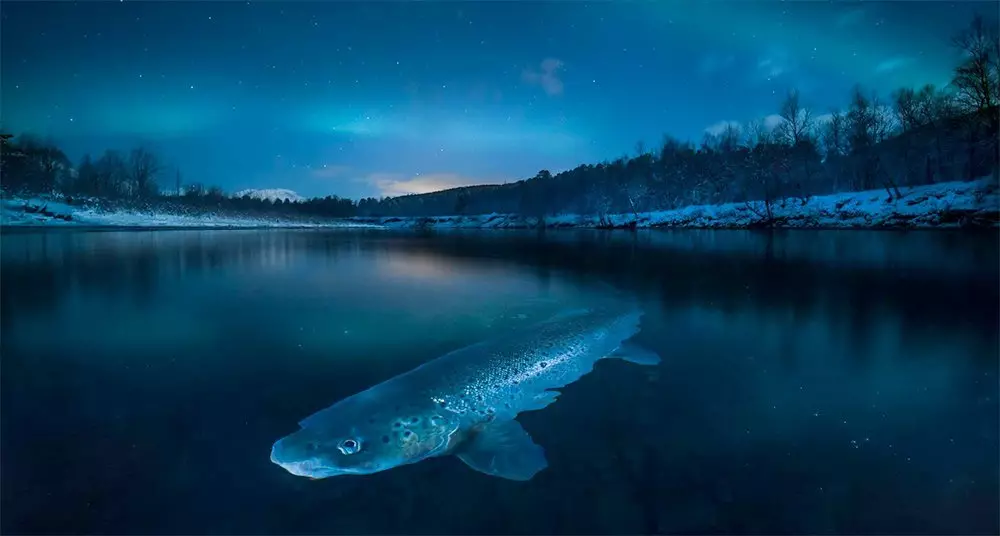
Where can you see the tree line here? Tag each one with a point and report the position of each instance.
(917, 136)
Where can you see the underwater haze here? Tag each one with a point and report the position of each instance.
(811, 382)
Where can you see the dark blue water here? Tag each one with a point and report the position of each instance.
(813, 382)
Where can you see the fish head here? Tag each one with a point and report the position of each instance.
(361, 440)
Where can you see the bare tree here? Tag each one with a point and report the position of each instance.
(870, 124)
(834, 137)
(976, 80)
(765, 171)
(884, 124)
(729, 140)
(907, 109)
(637, 195)
(862, 122)
(867, 125)
(834, 134)
(906, 105)
(796, 120)
(977, 83)
(143, 168)
(640, 148)
(52, 166)
(112, 175)
(757, 133)
(932, 105)
(931, 108)
(195, 189)
(796, 132)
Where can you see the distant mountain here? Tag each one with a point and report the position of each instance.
(270, 194)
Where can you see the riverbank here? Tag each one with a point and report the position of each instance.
(55, 212)
(951, 205)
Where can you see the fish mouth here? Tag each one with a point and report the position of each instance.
(311, 468)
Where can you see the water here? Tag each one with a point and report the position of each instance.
(813, 382)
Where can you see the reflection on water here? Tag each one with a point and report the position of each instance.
(813, 381)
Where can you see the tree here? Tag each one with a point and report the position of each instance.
(834, 135)
(869, 123)
(34, 165)
(112, 175)
(796, 120)
(196, 189)
(976, 79)
(87, 178)
(977, 83)
(907, 108)
(729, 140)
(640, 149)
(869, 144)
(143, 168)
(932, 105)
(757, 133)
(765, 165)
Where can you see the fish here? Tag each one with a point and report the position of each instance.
(464, 403)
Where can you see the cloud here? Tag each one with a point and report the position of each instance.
(894, 63)
(438, 128)
(772, 121)
(396, 184)
(823, 119)
(773, 67)
(720, 127)
(547, 76)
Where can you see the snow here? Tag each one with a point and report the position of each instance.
(270, 194)
(943, 205)
(50, 212)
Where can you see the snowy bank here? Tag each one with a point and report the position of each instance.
(51, 211)
(944, 205)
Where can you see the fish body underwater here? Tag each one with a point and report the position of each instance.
(463, 403)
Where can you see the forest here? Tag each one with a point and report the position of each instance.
(915, 136)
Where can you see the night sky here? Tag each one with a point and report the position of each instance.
(384, 98)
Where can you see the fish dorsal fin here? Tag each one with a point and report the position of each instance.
(505, 450)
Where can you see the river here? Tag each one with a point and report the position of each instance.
(812, 381)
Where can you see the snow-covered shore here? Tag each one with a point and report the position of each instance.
(35, 212)
(944, 205)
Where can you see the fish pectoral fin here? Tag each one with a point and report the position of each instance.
(633, 353)
(505, 450)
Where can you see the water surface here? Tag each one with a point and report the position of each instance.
(813, 382)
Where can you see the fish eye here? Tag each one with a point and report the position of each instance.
(349, 446)
(311, 446)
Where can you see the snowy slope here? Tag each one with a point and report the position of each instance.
(49, 212)
(270, 194)
(944, 205)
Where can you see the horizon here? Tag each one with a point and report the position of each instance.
(447, 102)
